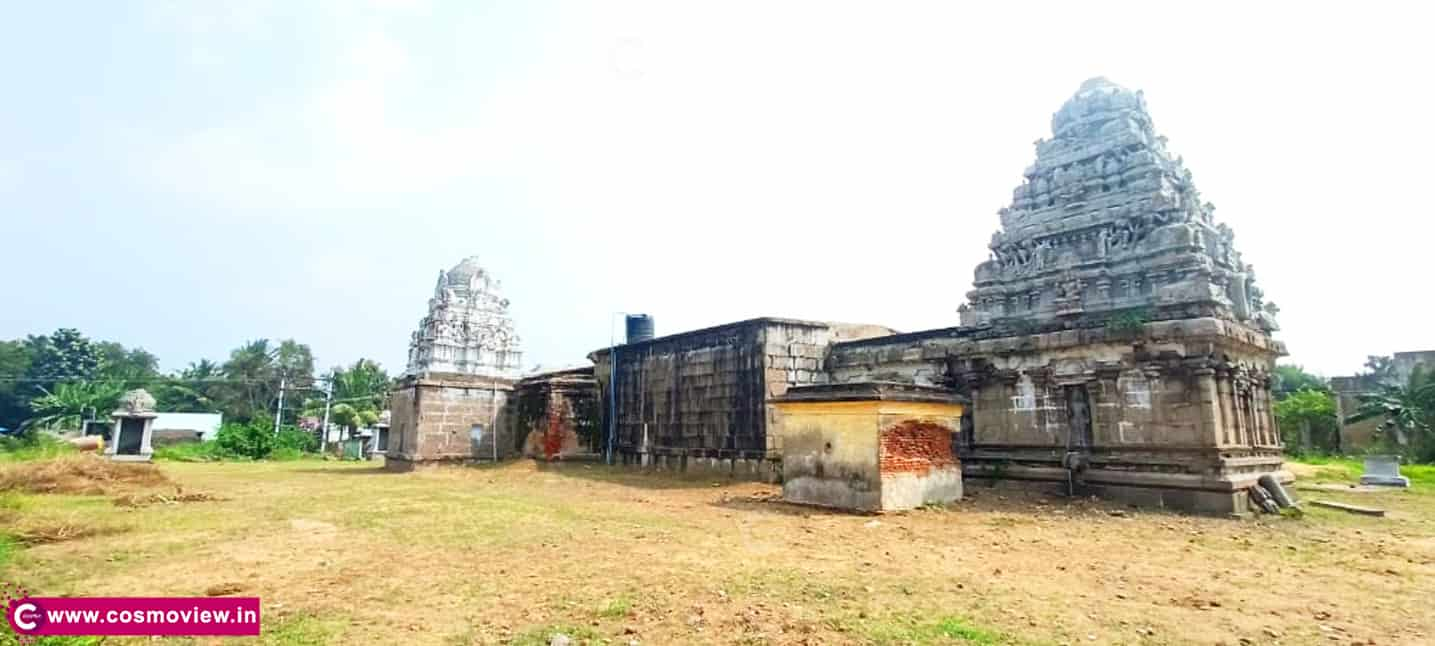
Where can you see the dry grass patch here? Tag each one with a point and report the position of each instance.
(79, 474)
(179, 496)
(347, 553)
(60, 532)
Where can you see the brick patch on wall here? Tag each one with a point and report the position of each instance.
(915, 447)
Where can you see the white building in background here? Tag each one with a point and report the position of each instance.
(187, 426)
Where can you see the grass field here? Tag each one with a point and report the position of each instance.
(346, 553)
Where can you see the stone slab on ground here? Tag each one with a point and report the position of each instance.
(1354, 509)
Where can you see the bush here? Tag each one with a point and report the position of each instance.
(286, 454)
(35, 445)
(296, 439)
(253, 440)
(209, 451)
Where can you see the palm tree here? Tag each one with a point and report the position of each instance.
(250, 373)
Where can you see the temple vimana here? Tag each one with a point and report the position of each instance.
(1114, 343)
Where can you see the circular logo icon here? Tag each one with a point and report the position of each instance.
(24, 616)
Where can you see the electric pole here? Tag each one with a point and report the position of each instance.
(279, 410)
(324, 425)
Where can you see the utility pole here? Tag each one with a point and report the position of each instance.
(1339, 425)
(324, 425)
(279, 410)
(493, 415)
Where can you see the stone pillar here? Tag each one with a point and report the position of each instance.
(134, 419)
(1209, 397)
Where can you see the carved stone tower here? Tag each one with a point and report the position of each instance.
(451, 403)
(467, 329)
(1107, 223)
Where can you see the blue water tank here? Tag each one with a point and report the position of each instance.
(639, 327)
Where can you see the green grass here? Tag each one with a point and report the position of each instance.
(542, 635)
(8, 547)
(211, 452)
(298, 630)
(911, 630)
(192, 452)
(34, 446)
(1349, 469)
(615, 608)
(7, 638)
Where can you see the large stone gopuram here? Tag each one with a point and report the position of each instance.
(464, 359)
(1107, 222)
(1115, 343)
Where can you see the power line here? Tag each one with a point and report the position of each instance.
(155, 380)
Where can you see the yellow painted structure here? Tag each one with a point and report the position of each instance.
(870, 447)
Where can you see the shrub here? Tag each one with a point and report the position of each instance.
(253, 440)
(32, 446)
(209, 451)
(285, 454)
(296, 439)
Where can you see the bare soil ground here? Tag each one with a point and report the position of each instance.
(349, 554)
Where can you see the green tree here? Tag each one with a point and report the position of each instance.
(1291, 379)
(360, 392)
(132, 365)
(254, 373)
(69, 403)
(15, 393)
(65, 355)
(352, 418)
(1307, 420)
(364, 384)
(192, 390)
(1408, 412)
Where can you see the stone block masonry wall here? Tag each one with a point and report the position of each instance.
(1176, 414)
(556, 415)
(449, 418)
(701, 399)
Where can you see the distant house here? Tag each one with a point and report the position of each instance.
(186, 427)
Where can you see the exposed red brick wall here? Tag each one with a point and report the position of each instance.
(915, 447)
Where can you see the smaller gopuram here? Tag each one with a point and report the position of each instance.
(464, 359)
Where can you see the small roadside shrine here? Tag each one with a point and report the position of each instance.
(134, 421)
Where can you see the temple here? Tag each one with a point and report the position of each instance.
(1115, 343)
(464, 360)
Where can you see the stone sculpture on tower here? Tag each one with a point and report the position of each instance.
(467, 329)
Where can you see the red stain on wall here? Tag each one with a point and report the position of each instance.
(915, 446)
(559, 425)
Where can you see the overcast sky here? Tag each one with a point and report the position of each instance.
(185, 176)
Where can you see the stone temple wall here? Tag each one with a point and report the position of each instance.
(1176, 414)
(557, 415)
(435, 418)
(702, 399)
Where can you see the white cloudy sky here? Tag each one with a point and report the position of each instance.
(184, 176)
